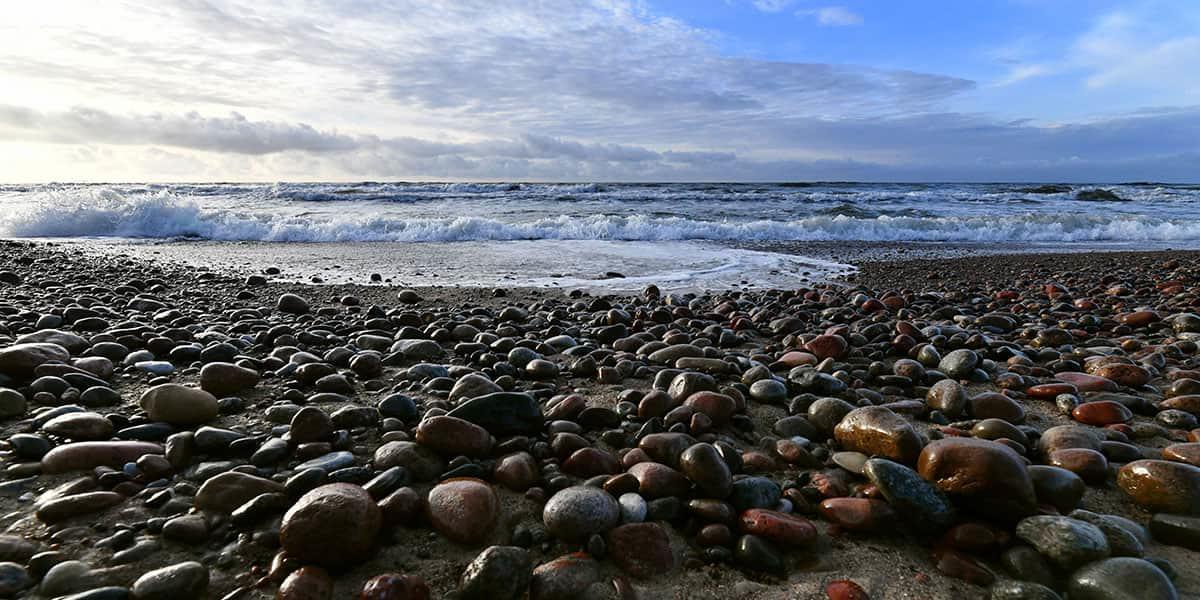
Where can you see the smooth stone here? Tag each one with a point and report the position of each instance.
(919, 502)
(13, 579)
(707, 469)
(179, 405)
(306, 583)
(1176, 530)
(756, 553)
(1121, 578)
(517, 471)
(633, 507)
(292, 304)
(19, 360)
(948, 396)
(65, 578)
(755, 492)
(334, 525)
(329, 462)
(452, 436)
(502, 413)
(226, 379)
(826, 413)
(641, 549)
(781, 528)
(858, 514)
(421, 462)
(564, 578)
(576, 512)
(1057, 487)
(395, 586)
(1022, 590)
(988, 477)
(464, 510)
(182, 581)
(225, 492)
(877, 431)
(959, 364)
(87, 455)
(1124, 537)
(853, 462)
(12, 403)
(1162, 486)
(80, 426)
(497, 573)
(65, 507)
(1067, 542)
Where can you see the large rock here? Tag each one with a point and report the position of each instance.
(576, 512)
(502, 413)
(1162, 486)
(498, 573)
(464, 510)
(987, 477)
(183, 581)
(919, 502)
(21, 359)
(1121, 578)
(877, 431)
(226, 379)
(179, 405)
(1067, 542)
(333, 526)
(89, 455)
(225, 492)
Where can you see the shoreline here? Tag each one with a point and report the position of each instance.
(886, 562)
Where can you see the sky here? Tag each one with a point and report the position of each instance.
(600, 90)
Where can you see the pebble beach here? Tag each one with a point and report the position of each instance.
(1006, 427)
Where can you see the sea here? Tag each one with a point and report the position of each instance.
(592, 235)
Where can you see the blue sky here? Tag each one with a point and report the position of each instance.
(979, 90)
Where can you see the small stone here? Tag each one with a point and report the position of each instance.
(641, 549)
(1067, 542)
(464, 510)
(574, 513)
(877, 431)
(1022, 590)
(564, 578)
(226, 379)
(633, 508)
(989, 477)
(1176, 530)
(498, 573)
(1162, 486)
(179, 405)
(13, 579)
(227, 491)
(424, 464)
(705, 466)
(182, 581)
(1120, 579)
(923, 506)
(858, 514)
(306, 583)
(80, 426)
(292, 304)
(778, 527)
(333, 525)
(948, 396)
(452, 436)
(394, 586)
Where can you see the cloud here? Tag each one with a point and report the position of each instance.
(772, 6)
(833, 16)
(938, 146)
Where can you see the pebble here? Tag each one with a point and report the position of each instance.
(395, 586)
(497, 573)
(877, 431)
(1066, 542)
(179, 405)
(564, 578)
(1176, 530)
(13, 579)
(642, 550)
(226, 379)
(920, 503)
(705, 466)
(576, 512)
(464, 510)
(227, 491)
(306, 583)
(333, 525)
(1162, 486)
(1120, 578)
(182, 581)
(985, 476)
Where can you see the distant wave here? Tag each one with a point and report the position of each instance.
(108, 213)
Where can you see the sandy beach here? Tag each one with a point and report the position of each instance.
(210, 487)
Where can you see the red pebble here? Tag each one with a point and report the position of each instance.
(394, 586)
(1101, 413)
(778, 527)
(844, 589)
(858, 514)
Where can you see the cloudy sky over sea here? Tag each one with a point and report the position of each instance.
(986, 90)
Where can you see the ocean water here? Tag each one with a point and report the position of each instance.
(696, 235)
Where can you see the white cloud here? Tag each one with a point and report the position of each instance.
(833, 16)
(772, 6)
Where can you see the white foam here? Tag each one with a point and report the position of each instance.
(159, 213)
